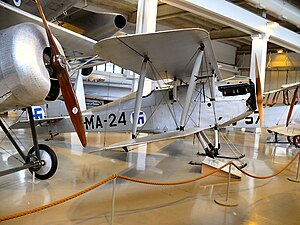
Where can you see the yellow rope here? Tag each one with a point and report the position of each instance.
(27, 212)
(172, 183)
(273, 175)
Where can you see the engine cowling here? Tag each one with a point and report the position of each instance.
(24, 77)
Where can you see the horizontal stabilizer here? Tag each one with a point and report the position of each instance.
(42, 122)
(152, 138)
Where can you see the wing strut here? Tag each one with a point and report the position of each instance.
(139, 95)
(191, 87)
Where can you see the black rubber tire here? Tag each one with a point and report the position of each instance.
(290, 140)
(49, 157)
(296, 140)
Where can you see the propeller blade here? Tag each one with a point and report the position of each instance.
(58, 64)
(294, 99)
(259, 96)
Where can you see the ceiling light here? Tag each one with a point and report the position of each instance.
(279, 51)
(272, 24)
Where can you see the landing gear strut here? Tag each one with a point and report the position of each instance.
(213, 150)
(41, 159)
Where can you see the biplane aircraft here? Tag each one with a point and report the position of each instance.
(291, 126)
(198, 99)
(33, 71)
(34, 64)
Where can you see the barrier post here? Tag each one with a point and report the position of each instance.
(33, 177)
(113, 200)
(228, 201)
(297, 173)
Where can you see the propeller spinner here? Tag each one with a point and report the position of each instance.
(58, 64)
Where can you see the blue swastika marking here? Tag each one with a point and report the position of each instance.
(37, 113)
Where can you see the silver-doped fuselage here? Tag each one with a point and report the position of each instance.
(160, 113)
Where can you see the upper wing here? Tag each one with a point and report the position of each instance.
(152, 138)
(73, 43)
(171, 53)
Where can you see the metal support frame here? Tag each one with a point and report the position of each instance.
(216, 141)
(241, 19)
(18, 168)
(206, 139)
(191, 87)
(204, 145)
(146, 16)
(12, 140)
(27, 164)
(139, 95)
(175, 90)
(79, 90)
(259, 51)
(34, 134)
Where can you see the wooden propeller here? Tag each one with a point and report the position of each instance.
(259, 96)
(294, 99)
(58, 64)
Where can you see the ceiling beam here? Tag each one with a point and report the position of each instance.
(234, 16)
(227, 34)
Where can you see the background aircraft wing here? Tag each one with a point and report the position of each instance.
(291, 130)
(152, 138)
(171, 53)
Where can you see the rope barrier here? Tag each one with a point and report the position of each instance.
(27, 212)
(30, 211)
(173, 183)
(266, 177)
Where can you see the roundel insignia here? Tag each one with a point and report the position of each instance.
(141, 120)
(75, 110)
(17, 3)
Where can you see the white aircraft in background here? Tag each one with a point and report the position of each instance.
(183, 55)
(291, 126)
(279, 117)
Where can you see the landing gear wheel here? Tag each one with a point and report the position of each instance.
(49, 162)
(297, 141)
(289, 139)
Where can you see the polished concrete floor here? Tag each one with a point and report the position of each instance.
(260, 202)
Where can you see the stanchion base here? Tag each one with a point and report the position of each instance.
(229, 202)
(294, 180)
